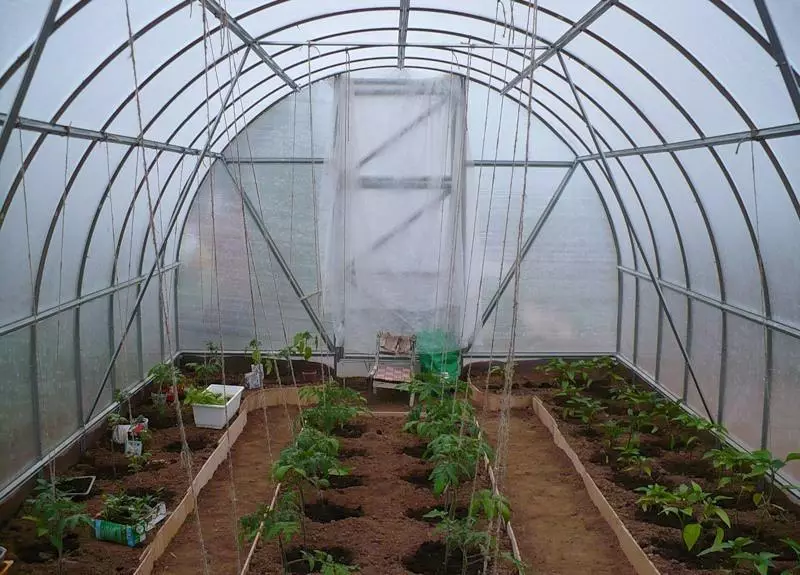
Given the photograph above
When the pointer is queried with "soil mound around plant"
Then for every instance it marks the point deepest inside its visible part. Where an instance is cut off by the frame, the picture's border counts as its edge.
(326, 512)
(349, 453)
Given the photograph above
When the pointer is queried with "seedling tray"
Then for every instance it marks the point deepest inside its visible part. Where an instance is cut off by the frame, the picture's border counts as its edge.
(77, 487)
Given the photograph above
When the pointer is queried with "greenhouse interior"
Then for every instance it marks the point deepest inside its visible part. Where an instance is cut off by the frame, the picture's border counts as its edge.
(406, 286)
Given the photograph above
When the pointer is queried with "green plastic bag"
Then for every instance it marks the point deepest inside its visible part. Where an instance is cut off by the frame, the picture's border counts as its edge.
(438, 352)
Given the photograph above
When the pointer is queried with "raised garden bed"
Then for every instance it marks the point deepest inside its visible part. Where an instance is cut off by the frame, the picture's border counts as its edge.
(671, 456)
(375, 523)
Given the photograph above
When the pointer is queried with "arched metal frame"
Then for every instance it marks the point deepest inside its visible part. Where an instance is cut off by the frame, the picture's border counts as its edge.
(770, 45)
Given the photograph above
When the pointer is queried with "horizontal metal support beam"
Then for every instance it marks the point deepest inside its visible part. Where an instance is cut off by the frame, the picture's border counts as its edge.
(598, 10)
(462, 45)
(31, 125)
(51, 311)
(478, 163)
(721, 140)
(226, 19)
(407, 183)
(720, 305)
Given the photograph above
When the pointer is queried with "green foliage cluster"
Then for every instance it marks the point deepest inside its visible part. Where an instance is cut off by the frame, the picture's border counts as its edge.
(164, 375)
(128, 509)
(54, 514)
(336, 405)
(202, 396)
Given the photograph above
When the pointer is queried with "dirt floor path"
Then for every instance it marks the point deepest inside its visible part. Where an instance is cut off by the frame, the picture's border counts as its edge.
(558, 528)
(251, 464)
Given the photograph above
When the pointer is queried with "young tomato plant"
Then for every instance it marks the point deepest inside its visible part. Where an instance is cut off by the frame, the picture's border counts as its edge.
(55, 515)
(324, 564)
(280, 523)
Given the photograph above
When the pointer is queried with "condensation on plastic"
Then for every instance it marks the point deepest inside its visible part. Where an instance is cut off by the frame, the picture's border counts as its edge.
(784, 425)
(672, 365)
(18, 440)
(705, 353)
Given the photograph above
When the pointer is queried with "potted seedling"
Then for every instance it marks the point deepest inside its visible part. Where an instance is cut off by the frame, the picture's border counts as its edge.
(165, 376)
(254, 379)
(55, 515)
(214, 405)
(126, 519)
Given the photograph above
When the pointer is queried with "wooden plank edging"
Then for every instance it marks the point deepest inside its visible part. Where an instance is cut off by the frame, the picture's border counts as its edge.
(169, 529)
(636, 556)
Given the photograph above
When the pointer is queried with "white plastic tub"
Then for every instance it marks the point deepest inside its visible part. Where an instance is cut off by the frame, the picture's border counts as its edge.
(216, 416)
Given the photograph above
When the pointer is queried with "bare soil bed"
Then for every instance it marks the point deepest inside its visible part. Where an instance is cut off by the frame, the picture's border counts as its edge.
(165, 474)
(375, 524)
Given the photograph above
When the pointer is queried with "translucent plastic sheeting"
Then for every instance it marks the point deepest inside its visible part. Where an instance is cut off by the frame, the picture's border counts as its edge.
(18, 440)
(128, 367)
(95, 345)
(628, 317)
(241, 285)
(647, 348)
(568, 286)
(672, 366)
(784, 425)
(743, 403)
(784, 14)
(57, 388)
(394, 209)
(705, 352)
(776, 223)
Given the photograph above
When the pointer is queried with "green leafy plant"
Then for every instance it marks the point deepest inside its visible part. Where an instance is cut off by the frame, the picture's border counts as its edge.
(210, 367)
(584, 408)
(654, 496)
(198, 396)
(695, 509)
(633, 460)
(254, 349)
(325, 564)
(761, 562)
(735, 546)
(312, 458)
(165, 375)
(567, 390)
(490, 504)
(434, 418)
(336, 406)
(128, 509)
(55, 515)
(280, 523)
(688, 427)
(138, 462)
(760, 475)
(455, 458)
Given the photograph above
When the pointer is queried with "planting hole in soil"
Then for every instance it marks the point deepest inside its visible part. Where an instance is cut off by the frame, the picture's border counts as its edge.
(195, 444)
(298, 564)
(420, 512)
(416, 451)
(325, 512)
(348, 453)
(430, 560)
(351, 430)
(419, 479)
(345, 481)
(40, 550)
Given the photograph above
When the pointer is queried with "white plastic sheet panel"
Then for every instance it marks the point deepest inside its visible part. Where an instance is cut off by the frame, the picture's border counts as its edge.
(127, 369)
(784, 425)
(58, 400)
(647, 320)
(705, 352)
(395, 202)
(18, 437)
(95, 352)
(672, 366)
(242, 286)
(743, 405)
(628, 321)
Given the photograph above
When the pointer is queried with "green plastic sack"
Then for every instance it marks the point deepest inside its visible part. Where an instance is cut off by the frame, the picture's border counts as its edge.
(438, 352)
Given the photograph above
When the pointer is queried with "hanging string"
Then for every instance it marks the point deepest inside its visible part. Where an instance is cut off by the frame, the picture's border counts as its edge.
(185, 451)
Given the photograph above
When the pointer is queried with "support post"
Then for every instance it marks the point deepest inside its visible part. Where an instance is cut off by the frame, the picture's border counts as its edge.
(273, 248)
(506, 281)
(634, 233)
(402, 34)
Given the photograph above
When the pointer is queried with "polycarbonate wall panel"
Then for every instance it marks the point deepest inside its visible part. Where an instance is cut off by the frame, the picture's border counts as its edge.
(95, 353)
(628, 316)
(241, 286)
(18, 440)
(705, 353)
(743, 403)
(784, 425)
(58, 400)
(151, 324)
(647, 334)
(568, 285)
(672, 366)
(127, 369)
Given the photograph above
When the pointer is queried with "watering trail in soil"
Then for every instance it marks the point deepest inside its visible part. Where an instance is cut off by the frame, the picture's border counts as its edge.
(558, 528)
(251, 469)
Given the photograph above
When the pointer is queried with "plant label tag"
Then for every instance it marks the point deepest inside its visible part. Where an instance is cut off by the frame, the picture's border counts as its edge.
(133, 447)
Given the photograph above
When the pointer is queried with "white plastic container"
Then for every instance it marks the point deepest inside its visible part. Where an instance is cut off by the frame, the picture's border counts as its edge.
(216, 416)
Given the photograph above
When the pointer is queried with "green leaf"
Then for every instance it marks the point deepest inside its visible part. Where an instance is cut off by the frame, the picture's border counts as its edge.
(691, 533)
(722, 514)
(717, 546)
(792, 456)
